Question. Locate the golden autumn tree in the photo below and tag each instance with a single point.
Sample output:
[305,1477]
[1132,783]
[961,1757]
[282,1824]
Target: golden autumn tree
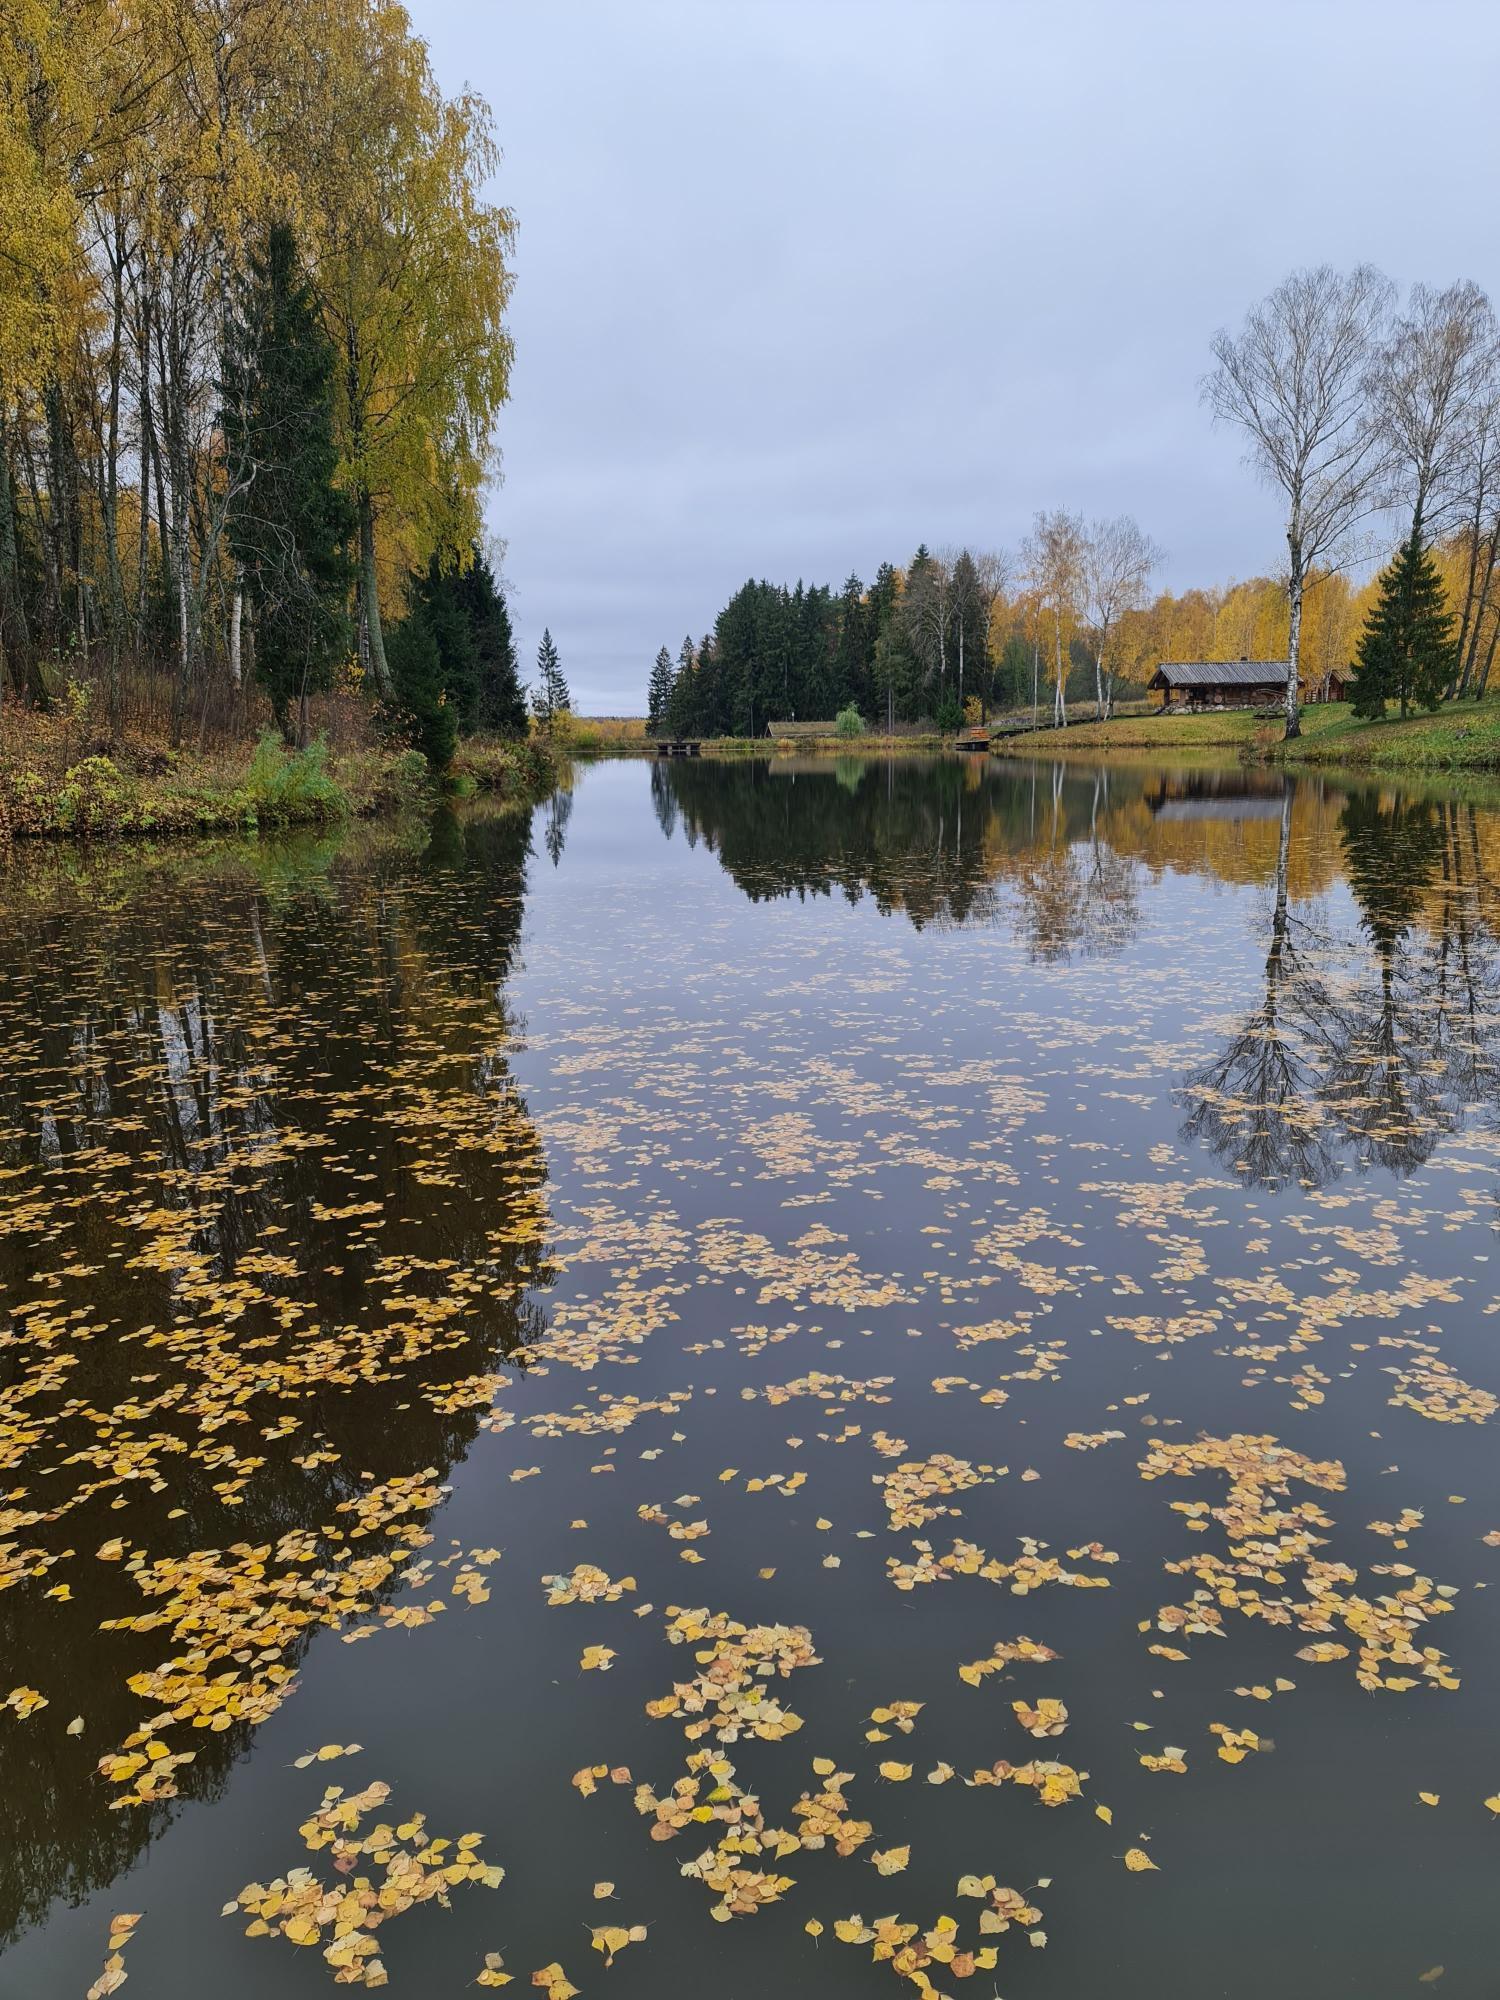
[411,262]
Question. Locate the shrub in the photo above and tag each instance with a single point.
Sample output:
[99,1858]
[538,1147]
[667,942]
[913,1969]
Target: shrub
[849,723]
[96,797]
[950,717]
[282,786]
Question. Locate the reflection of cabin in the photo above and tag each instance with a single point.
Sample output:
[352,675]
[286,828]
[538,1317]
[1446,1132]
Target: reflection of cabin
[793,732]
[1223,795]
[1193,684]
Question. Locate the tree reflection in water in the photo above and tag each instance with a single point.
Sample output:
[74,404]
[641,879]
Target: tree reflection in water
[1365,1049]
[1367,1043]
[239,1076]
[937,840]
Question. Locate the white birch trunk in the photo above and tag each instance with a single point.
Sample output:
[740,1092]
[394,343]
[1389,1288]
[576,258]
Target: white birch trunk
[1294,641]
[236,614]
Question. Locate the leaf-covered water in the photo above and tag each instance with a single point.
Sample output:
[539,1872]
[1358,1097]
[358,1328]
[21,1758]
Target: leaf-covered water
[847,1377]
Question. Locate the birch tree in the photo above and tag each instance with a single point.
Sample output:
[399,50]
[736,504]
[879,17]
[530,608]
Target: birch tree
[1118,558]
[1053,557]
[412,264]
[1296,379]
[1436,374]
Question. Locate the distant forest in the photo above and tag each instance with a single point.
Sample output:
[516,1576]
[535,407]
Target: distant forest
[1354,406]
[955,637]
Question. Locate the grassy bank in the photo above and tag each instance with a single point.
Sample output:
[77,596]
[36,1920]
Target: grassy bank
[590,737]
[56,783]
[1461,736]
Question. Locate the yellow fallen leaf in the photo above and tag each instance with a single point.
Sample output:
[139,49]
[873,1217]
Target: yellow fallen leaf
[1428,1798]
[897,1773]
[603,1889]
[892,1860]
[611,1938]
[1136,1859]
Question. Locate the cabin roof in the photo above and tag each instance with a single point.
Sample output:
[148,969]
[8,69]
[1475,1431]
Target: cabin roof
[1220,673]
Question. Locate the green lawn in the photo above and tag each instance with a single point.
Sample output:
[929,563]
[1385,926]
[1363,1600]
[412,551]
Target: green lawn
[1459,736]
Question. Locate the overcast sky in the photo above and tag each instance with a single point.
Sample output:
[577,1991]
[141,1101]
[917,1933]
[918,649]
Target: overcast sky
[801,285]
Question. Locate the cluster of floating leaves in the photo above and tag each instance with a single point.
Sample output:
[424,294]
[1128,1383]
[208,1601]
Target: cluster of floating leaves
[406,1867]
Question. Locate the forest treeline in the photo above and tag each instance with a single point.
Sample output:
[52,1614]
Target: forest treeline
[1380,427]
[252,350]
[777,653]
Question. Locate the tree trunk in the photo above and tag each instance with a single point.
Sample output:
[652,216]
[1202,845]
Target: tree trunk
[236,615]
[1060,704]
[111,484]
[1294,640]
[15,633]
[380,673]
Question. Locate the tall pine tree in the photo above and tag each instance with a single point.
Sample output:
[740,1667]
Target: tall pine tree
[1406,652]
[290,528]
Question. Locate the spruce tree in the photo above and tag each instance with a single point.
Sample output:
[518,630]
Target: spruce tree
[659,690]
[416,668]
[471,623]
[290,529]
[550,697]
[1406,652]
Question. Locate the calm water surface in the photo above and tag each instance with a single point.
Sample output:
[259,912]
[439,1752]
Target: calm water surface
[675,1324]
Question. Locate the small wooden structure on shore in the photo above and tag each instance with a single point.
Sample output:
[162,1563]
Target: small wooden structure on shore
[678,746]
[976,736]
[801,732]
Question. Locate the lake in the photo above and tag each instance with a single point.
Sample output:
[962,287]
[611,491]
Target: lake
[869,1377]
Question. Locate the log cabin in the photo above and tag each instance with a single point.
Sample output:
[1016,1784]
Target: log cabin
[1236,684]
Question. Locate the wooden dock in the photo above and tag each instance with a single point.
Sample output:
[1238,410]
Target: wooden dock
[678,746]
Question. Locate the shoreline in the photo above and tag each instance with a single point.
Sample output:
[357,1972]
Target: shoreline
[1458,737]
[143,793]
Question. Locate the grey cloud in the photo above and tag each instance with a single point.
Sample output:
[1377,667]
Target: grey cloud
[801,285]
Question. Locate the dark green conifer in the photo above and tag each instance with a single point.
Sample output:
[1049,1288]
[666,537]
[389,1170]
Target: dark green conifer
[1406,652]
[290,528]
